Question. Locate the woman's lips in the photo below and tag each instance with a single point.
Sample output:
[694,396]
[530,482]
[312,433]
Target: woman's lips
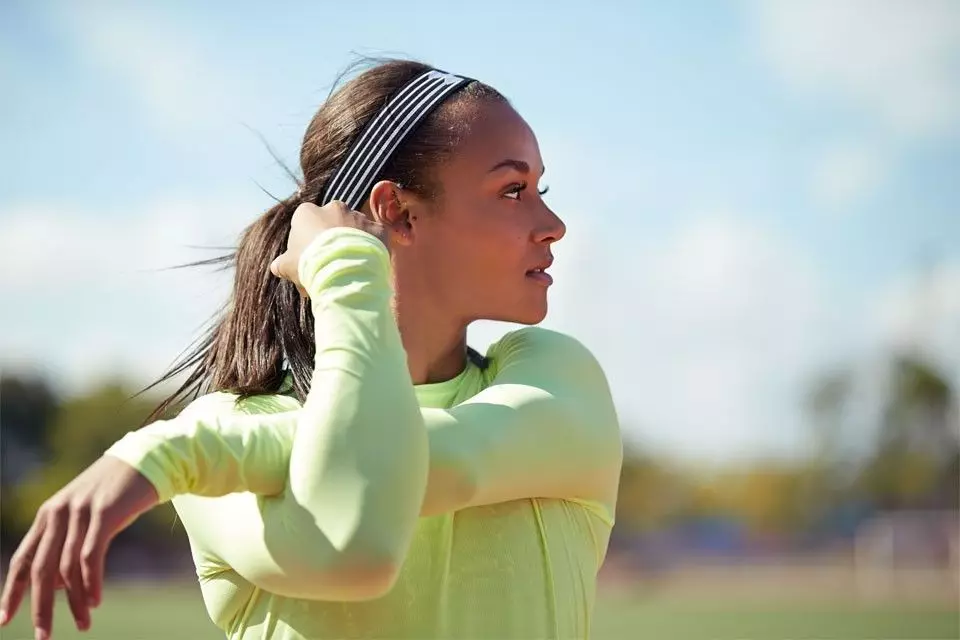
[540,276]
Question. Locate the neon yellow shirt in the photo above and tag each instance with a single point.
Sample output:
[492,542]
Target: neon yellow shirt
[479,507]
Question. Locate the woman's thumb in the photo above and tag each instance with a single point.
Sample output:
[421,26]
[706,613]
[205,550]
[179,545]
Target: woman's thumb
[275,266]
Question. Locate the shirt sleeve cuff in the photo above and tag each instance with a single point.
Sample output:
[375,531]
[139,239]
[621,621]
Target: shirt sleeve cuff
[135,452]
[339,242]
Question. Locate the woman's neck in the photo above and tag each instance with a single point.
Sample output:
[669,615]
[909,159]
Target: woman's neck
[436,344]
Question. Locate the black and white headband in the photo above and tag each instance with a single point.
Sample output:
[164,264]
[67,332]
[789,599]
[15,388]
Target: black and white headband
[385,132]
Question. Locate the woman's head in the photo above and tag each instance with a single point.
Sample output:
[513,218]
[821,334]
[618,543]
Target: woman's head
[461,194]
[469,230]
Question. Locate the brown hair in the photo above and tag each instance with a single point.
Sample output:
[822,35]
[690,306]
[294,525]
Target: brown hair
[266,330]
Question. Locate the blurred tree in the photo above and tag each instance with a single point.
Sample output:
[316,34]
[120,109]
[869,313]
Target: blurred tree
[652,494]
[767,498]
[914,463]
[27,406]
[915,458]
[825,485]
[919,410]
[827,405]
[771,498]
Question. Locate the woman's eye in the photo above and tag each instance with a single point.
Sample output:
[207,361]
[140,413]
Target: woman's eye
[513,192]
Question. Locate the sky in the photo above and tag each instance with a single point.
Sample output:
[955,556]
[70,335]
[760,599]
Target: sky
[755,191]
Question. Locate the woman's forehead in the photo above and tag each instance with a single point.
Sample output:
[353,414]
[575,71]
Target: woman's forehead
[495,133]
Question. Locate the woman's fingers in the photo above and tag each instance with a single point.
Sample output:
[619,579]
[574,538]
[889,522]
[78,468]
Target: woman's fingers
[70,570]
[93,554]
[67,543]
[285,267]
[18,575]
[46,568]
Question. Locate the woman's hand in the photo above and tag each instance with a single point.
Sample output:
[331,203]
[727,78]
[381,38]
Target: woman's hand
[67,544]
[310,220]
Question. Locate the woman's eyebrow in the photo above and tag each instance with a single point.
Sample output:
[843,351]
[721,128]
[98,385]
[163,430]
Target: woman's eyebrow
[519,165]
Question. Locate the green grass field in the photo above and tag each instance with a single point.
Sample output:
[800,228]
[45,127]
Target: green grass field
[175,612]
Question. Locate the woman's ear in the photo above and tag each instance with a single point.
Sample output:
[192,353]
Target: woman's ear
[389,207]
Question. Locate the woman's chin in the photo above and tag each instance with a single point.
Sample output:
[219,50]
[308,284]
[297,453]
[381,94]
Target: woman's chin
[531,315]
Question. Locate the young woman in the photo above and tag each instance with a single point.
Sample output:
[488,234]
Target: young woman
[355,471]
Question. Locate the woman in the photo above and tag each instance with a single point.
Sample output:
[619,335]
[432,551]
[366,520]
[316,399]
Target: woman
[357,471]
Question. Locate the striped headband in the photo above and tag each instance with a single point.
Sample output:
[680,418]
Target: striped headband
[385,132]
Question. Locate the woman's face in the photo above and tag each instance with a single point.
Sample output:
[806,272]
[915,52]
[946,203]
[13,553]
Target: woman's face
[484,245]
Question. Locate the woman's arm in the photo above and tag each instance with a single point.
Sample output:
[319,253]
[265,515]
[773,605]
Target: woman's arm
[546,427]
[352,490]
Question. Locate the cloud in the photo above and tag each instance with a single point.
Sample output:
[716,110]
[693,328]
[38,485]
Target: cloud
[89,291]
[160,61]
[847,175]
[45,245]
[893,60]
[887,66]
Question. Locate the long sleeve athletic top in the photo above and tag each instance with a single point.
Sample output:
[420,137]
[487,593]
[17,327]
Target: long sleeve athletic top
[479,507]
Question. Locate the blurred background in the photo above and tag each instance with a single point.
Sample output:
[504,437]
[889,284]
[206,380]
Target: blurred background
[763,249]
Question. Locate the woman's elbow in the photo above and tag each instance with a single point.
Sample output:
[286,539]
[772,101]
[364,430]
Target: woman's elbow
[358,579]
[368,567]
[345,579]
[452,485]
[455,495]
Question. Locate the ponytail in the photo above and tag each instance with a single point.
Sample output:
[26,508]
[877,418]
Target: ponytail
[265,332]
